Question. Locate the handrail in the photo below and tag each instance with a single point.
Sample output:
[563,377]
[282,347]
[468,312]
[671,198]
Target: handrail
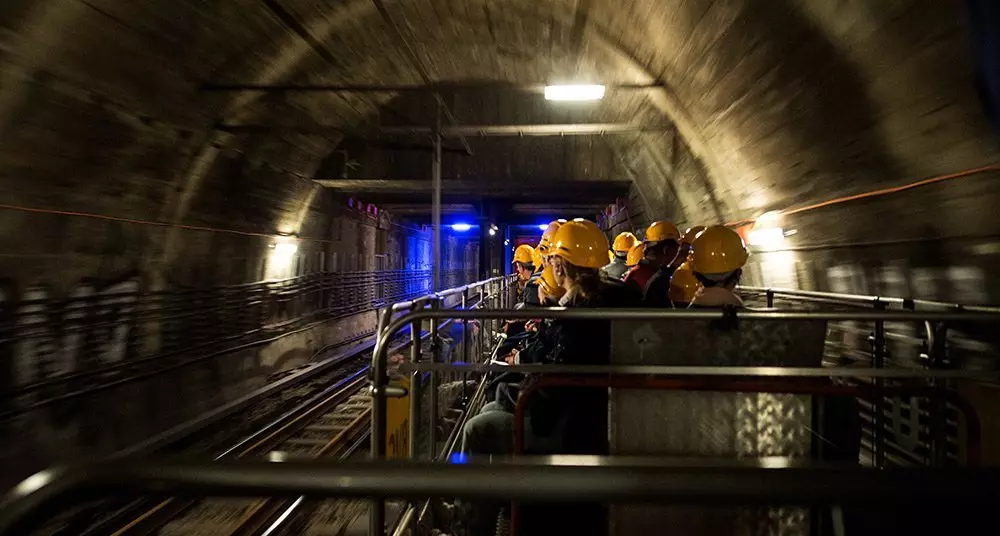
[488,289]
[379,357]
[861,299]
[626,480]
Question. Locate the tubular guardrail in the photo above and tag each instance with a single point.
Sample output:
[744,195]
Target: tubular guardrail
[549,479]
[495,292]
[379,385]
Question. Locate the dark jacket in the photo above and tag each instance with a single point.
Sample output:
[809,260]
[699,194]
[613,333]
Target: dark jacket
[658,289]
[530,297]
[577,342]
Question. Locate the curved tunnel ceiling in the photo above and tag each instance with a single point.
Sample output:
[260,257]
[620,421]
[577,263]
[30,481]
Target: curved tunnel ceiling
[777,104]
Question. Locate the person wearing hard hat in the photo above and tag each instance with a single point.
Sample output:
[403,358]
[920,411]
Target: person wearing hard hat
[531,297]
[683,286]
[658,288]
[524,262]
[661,240]
[686,247]
[719,257]
[546,241]
[574,421]
[636,256]
[616,269]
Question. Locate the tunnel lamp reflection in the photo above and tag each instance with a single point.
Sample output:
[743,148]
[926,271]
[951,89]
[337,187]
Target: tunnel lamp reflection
[769,238]
[574,92]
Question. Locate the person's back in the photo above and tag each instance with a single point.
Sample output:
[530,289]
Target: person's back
[639,276]
[657,293]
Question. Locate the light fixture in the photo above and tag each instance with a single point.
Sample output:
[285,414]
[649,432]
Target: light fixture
[280,259]
[493,231]
[543,227]
[767,233]
[506,242]
[769,238]
[461,227]
[574,92]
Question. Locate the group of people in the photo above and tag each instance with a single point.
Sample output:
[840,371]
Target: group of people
[569,268]
[699,268]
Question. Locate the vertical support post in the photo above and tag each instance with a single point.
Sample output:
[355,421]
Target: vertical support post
[415,387]
[878,405]
[770,298]
[433,385]
[436,203]
[465,341]
[380,380]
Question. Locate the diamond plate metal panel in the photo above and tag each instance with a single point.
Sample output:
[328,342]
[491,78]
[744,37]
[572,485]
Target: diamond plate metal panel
[706,424]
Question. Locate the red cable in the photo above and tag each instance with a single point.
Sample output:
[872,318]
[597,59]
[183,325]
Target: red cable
[876,193]
[146,222]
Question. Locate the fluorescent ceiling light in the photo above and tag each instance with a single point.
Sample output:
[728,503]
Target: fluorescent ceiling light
[574,92]
[461,227]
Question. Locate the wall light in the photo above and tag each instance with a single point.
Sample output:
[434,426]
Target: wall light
[461,227]
[769,238]
[281,257]
[493,231]
[574,92]
[543,227]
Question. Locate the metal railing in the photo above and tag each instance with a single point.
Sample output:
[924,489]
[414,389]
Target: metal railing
[380,391]
[494,293]
[551,479]
[910,430]
[96,338]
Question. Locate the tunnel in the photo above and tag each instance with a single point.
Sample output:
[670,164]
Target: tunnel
[203,198]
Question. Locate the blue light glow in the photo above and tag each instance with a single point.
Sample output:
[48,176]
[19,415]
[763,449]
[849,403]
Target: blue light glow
[460,227]
[543,226]
[458,458]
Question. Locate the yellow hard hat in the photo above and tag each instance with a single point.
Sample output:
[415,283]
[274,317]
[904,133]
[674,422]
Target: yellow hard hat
[624,242]
[581,243]
[536,258]
[547,284]
[524,254]
[661,230]
[719,250]
[683,284]
[636,254]
[692,233]
[546,242]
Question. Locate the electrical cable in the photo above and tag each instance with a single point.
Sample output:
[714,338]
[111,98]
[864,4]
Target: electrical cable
[876,193]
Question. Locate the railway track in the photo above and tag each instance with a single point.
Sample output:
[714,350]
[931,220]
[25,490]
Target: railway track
[335,425]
